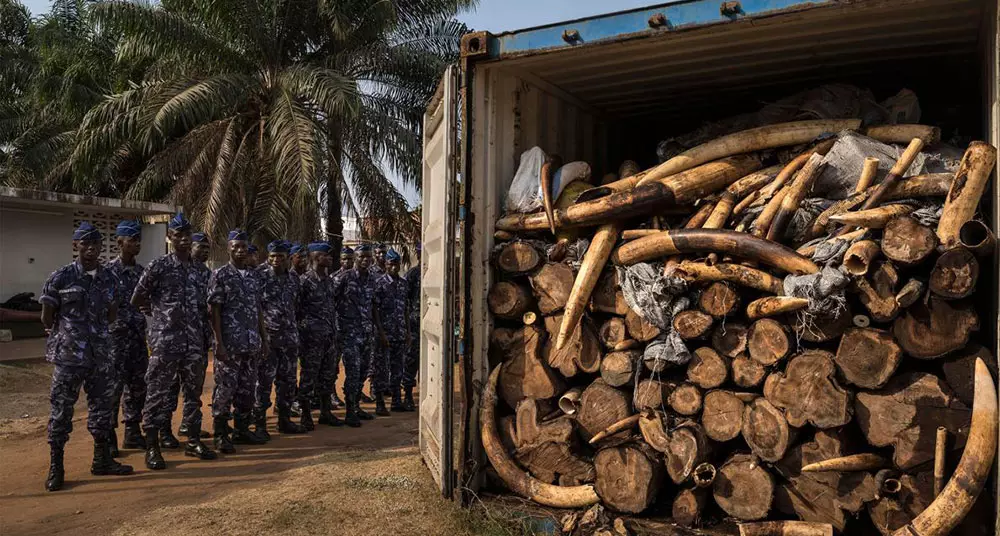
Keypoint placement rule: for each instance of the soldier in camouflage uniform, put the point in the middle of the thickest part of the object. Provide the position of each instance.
(346, 264)
(128, 339)
(353, 295)
(409, 380)
(280, 302)
(298, 260)
(251, 261)
(392, 308)
(317, 334)
(78, 302)
(234, 295)
(378, 260)
(171, 291)
(377, 269)
(201, 250)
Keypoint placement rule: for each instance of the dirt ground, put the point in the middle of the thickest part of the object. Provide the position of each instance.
(332, 481)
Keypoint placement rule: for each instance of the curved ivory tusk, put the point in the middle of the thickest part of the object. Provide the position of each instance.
(746, 141)
(548, 169)
(714, 241)
(733, 273)
(967, 189)
(516, 479)
(872, 218)
(860, 255)
(662, 195)
(854, 462)
(586, 279)
(774, 305)
(958, 496)
(786, 528)
(624, 424)
(904, 133)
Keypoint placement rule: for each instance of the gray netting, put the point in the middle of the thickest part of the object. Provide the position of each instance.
(846, 159)
(824, 290)
(657, 298)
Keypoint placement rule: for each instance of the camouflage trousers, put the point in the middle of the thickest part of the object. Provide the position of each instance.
(131, 358)
(380, 368)
(235, 378)
(98, 383)
(191, 406)
(279, 369)
(317, 355)
(412, 364)
(395, 356)
(163, 373)
(357, 353)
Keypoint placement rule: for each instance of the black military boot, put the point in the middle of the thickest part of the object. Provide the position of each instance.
(335, 401)
(220, 436)
(397, 402)
(307, 418)
(133, 437)
(408, 400)
(185, 431)
(242, 434)
(57, 474)
(286, 425)
(260, 424)
(167, 439)
(380, 409)
(195, 448)
(362, 414)
(326, 415)
(366, 399)
(104, 464)
(154, 458)
(352, 419)
(113, 444)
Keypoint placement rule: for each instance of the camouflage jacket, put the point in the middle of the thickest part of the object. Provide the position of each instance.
(317, 310)
(354, 294)
(205, 273)
(176, 293)
(392, 303)
(79, 334)
(130, 321)
(239, 297)
(280, 300)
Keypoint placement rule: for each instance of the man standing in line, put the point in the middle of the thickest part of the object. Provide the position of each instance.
(346, 264)
(391, 322)
(280, 302)
(172, 293)
(234, 295)
(409, 380)
(299, 259)
(128, 339)
(79, 300)
(251, 260)
(317, 334)
(378, 260)
(353, 293)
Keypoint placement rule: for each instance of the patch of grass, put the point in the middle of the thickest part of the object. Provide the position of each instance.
(482, 521)
(381, 483)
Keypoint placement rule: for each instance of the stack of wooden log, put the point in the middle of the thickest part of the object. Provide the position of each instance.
(877, 411)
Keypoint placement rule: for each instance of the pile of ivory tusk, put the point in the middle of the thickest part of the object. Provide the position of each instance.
(863, 400)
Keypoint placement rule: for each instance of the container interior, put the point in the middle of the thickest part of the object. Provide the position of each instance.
(613, 101)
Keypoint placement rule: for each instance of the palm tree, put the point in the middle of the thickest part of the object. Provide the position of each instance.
(263, 113)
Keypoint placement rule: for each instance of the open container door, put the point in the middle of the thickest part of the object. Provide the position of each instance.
(436, 292)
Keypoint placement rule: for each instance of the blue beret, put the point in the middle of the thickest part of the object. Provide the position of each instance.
(319, 246)
(251, 249)
(86, 231)
(179, 223)
(278, 246)
(392, 256)
(296, 249)
(128, 228)
(346, 251)
(199, 238)
(238, 234)
(364, 248)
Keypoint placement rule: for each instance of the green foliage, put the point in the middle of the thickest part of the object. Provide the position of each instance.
(248, 113)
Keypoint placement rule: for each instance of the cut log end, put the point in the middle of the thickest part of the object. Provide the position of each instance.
(692, 324)
(868, 357)
(722, 416)
(766, 430)
(730, 339)
(747, 373)
(707, 369)
(618, 368)
(906, 241)
(519, 257)
(935, 329)
(628, 477)
(719, 299)
(955, 274)
(768, 341)
(827, 405)
(743, 488)
(509, 300)
(685, 399)
(552, 286)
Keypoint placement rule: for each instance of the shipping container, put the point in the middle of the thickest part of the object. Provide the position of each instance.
(609, 87)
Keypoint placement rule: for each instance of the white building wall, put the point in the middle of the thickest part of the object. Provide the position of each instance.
(33, 244)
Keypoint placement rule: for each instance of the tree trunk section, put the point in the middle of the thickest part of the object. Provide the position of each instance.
(747, 373)
(685, 399)
(766, 430)
(692, 324)
(730, 339)
(707, 369)
(607, 296)
(722, 416)
(628, 477)
(687, 447)
(823, 328)
(954, 274)
(601, 406)
(613, 332)
(809, 393)
(552, 285)
(509, 300)
(719, 299)
(688, 506)
(582, 351)
(532, 431)
(618, 368)
(519, 257)
(555, 463)
(906, 241)
(867, 357)
(651, 394)
(892, 512)
(935, 329)
(524, 374)
(768, 341)
(640, 330)
(744, 489)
